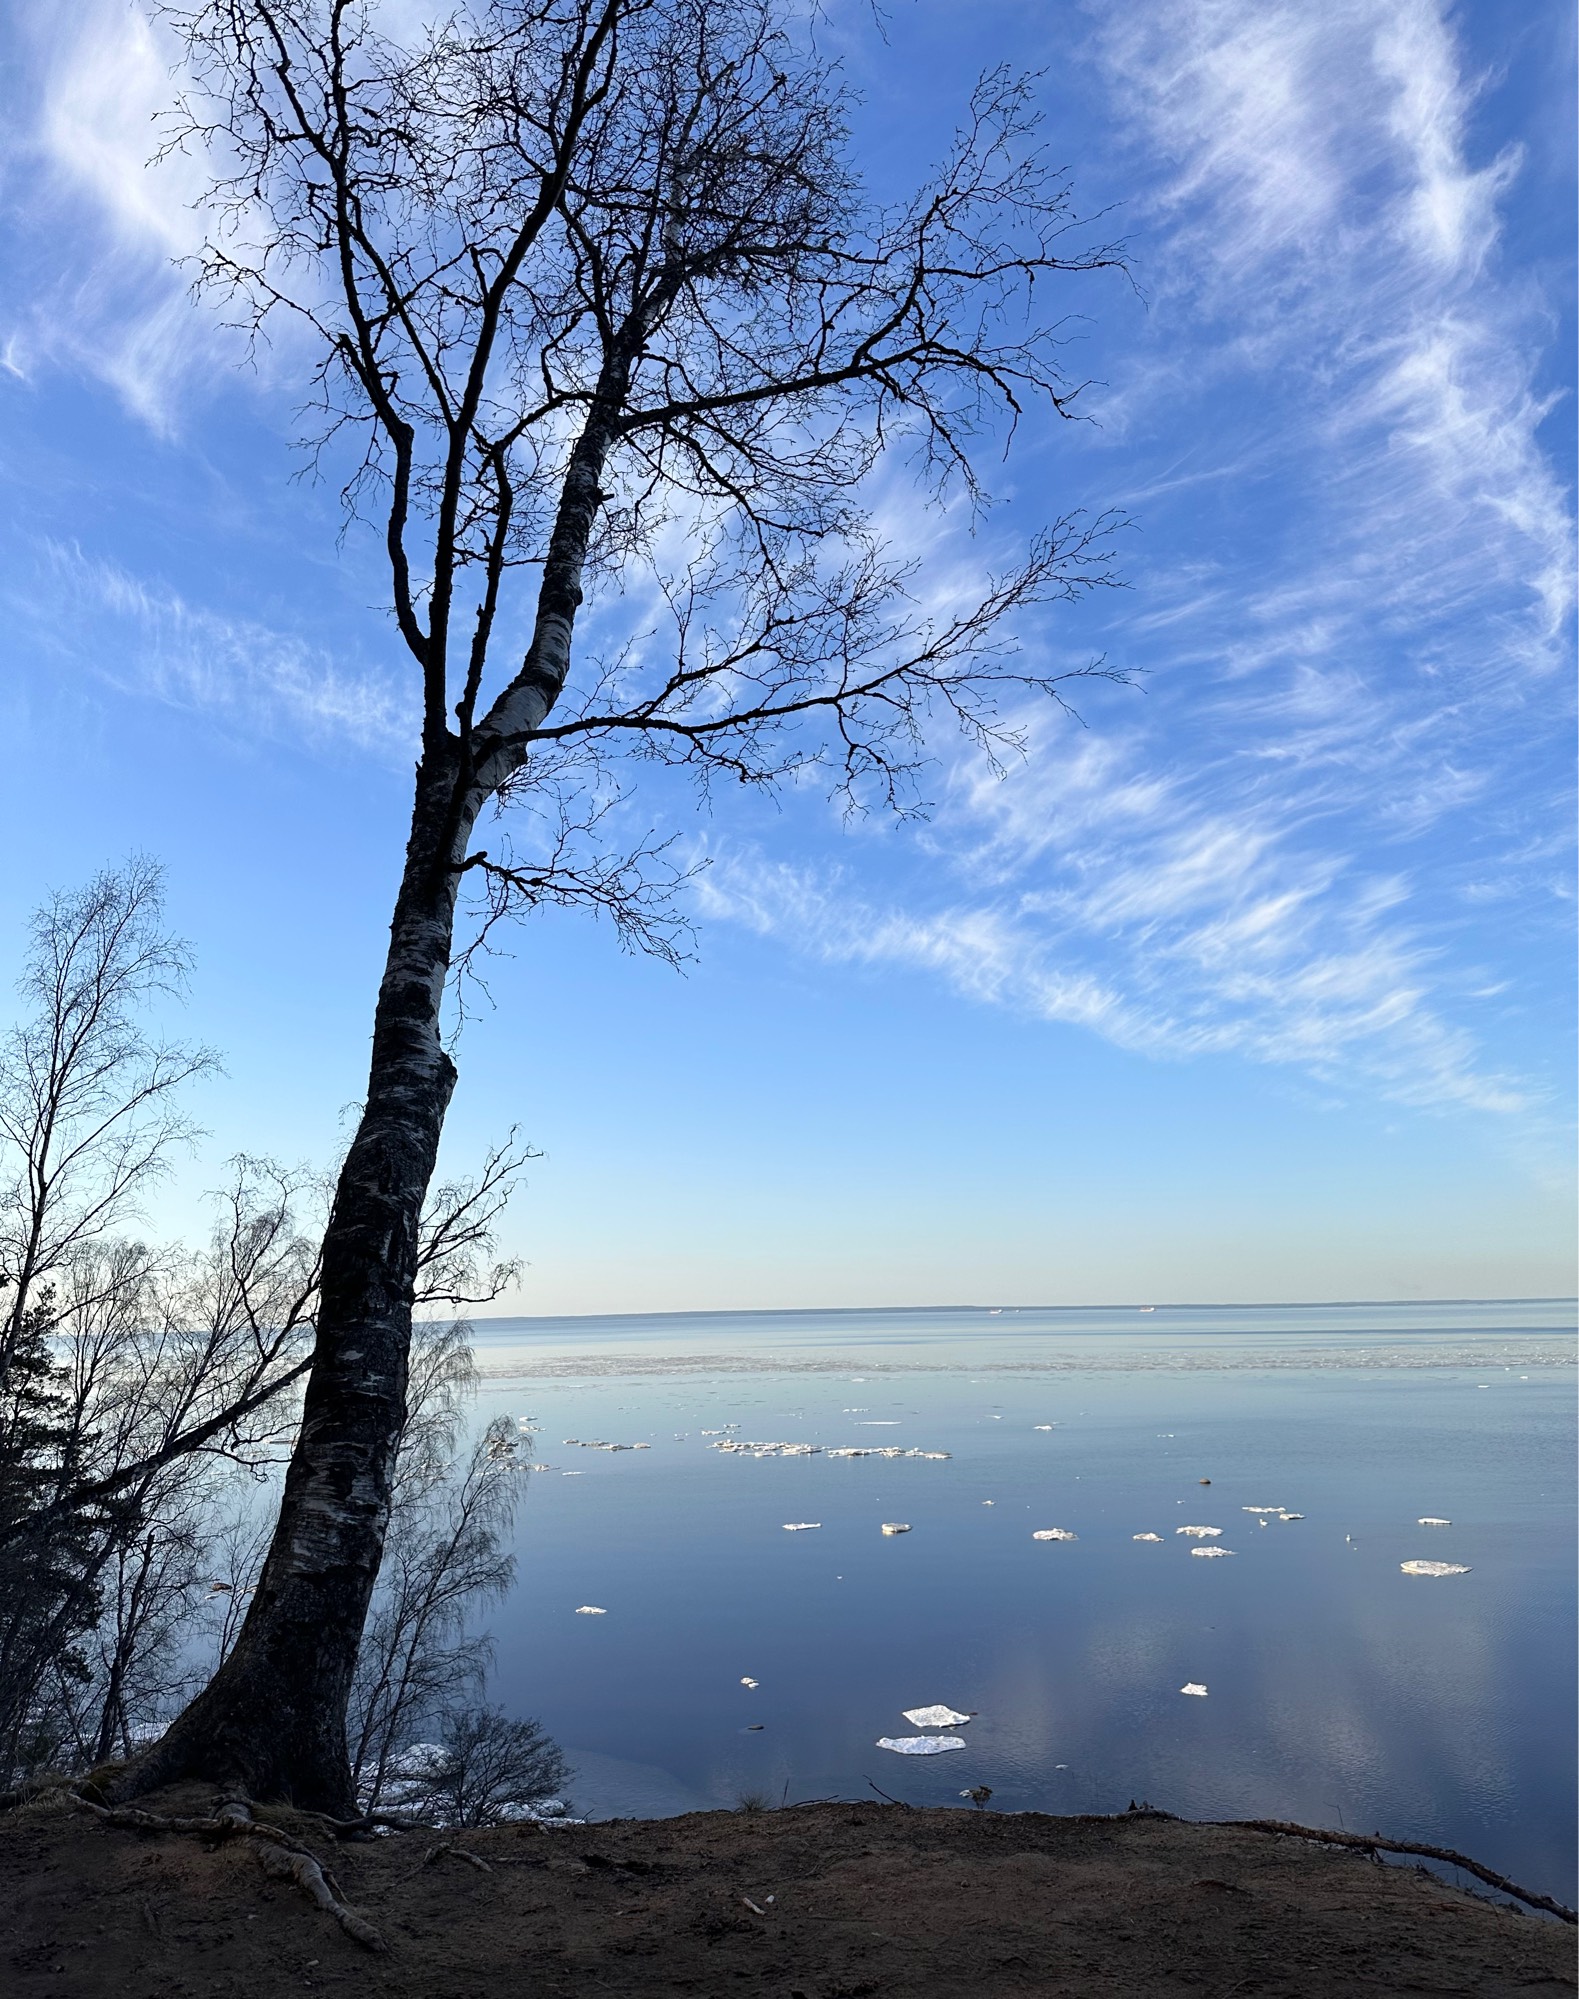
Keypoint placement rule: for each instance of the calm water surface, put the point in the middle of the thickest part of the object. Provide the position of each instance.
(1341, 1692)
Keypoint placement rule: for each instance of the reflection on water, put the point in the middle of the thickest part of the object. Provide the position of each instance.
(1340, 1691)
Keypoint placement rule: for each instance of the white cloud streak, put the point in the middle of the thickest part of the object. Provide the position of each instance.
(236, 671)
(1352, 672)
(100, 229)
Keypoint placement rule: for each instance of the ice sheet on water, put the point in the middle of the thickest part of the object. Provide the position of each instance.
(935, 1717)
(1211, 1554)
(1434, 1568)
(1200, 1533)
(746, 1680)
(1145, 1537)
(1053, 1534)
(920, 1745)
(896, 1526)
(1432, 1520)
(590, 1610)
(1193, 1687)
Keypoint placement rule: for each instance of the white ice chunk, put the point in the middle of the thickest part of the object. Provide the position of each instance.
(1053, 1534)
(1041, 1426)
(1193, 1687)
(896, 1527)
(590, 1610)
(1145, 1537)
(1434, 1568)
(920, 1745)
(800, 1526)
(935, 1717)
(1431, 1520)
(746, 1680)
(1210, 1554)
(1200, 1533)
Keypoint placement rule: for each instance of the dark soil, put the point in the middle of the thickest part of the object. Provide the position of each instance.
(849, 1900)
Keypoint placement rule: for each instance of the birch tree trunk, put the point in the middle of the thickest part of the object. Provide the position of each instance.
(273, 1717)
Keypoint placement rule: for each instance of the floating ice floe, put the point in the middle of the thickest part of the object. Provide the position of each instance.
(882, 1451)
(1434, 1568)
(590, 1610)
(741, 1447)
(1145, 1537)
(1211, 1554)
(920, 1745)
(1431, 1520)
(1193, 1687)
(896, 1526)
(1200, 1533)
(1042, 1426)
(1053, 1534)
(597, 1444)
(935, 1717)
(746, 1680)
(800, 1526)
(745, 1447)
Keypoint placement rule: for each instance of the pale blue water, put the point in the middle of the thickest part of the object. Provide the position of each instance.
(1341, 1692)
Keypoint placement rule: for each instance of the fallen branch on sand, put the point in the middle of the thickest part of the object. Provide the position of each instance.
(1375, 1843)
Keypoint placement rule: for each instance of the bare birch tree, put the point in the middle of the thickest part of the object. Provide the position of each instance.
(444, 1556)
(599, 304)
(134, 1382)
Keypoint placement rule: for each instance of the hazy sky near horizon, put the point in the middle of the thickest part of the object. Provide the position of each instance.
(1253, 983)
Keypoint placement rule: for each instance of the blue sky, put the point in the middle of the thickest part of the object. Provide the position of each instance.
(1254, 983)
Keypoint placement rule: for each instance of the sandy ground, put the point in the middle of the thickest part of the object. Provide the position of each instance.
(822, 1902)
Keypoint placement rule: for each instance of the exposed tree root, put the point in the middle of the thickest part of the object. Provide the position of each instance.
(1375, 1843)
(458, 1853)
(282, 1863)
(280, 1857)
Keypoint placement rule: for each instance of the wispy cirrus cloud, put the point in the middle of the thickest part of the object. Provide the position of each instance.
(1324, 242)
(239, 672)
(1352, 596)
(98, 228)
(1167, 924)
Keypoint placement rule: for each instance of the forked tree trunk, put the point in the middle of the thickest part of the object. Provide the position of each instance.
(273, 1718)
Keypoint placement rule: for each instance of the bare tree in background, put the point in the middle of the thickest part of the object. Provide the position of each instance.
(491, 1768)
(445, 1554)
(599, 305)
(135, 1382)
